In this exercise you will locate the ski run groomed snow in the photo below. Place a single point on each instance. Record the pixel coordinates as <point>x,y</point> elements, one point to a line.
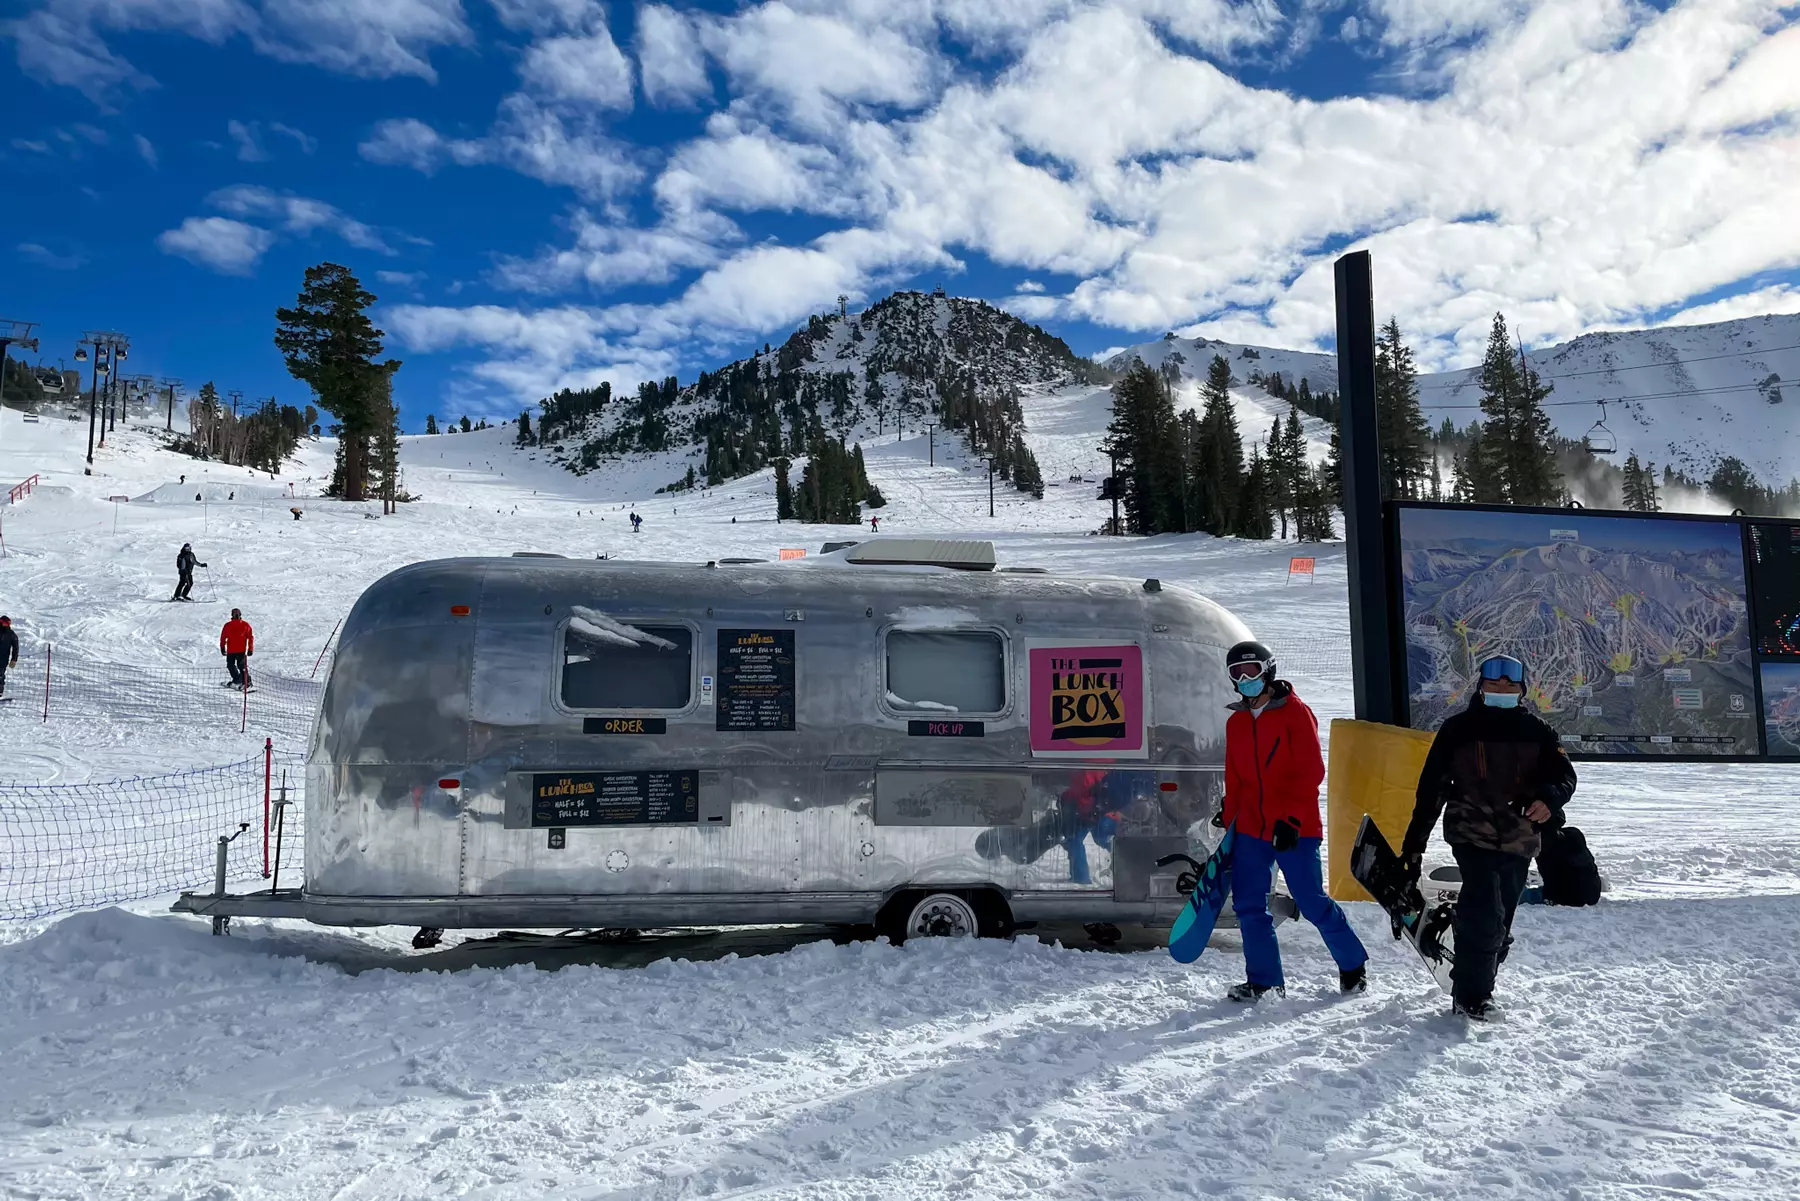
<point>1650,1047</point>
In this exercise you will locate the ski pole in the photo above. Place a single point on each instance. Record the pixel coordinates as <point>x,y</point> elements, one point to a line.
<point>212,589</point>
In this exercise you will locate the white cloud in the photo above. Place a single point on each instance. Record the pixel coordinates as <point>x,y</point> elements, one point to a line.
<point>587,69</point>
<point>564,149</point>
<point>401,279</point>
<point>1029,285</point>
<point>670,60</point>
<point>146,150</point>
<point>1779,298</point>
<point>296,215</point>
<point>217,243</point>
<point>63,42</point>
<point>408,142</point>
<point>249,145</point>
<point>45,257</point>
<point>547,16</point>
<point>305,141</point>
<point>748,167</point>
<point>611,255</point>
<point>809,66</point>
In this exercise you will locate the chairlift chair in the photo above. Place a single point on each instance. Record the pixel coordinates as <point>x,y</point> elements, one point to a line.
<point>1599,439</point>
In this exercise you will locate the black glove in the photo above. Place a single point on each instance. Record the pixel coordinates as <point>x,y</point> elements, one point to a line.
<point>1186,883</point>
<point>1286,835</point>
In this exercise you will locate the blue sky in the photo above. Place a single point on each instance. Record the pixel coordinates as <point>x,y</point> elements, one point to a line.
<point>552,192</point>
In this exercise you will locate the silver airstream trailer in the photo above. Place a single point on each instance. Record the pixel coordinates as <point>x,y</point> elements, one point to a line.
<point>898,733</point>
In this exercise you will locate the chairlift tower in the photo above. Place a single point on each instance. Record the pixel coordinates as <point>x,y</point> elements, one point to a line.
<point>14,332</point>
<point>173,385</point>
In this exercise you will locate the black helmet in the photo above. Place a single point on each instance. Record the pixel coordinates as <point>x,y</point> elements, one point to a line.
<point>1250,653</point>
<point>237,612</point>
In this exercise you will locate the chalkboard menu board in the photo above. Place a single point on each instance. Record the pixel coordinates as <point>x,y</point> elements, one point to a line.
<point>615,798</point>
<point>756,680</point>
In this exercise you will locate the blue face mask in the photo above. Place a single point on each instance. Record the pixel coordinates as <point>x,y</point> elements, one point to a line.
<point>1252,688</point>
<point>1500,700</point>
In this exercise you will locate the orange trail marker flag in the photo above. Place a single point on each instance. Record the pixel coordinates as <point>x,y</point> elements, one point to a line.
<point>792,553</point>
<point>1300,566</point>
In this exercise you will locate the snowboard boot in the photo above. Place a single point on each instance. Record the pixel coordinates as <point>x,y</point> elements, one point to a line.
<point>1475,1011</point>
<point>1252,993</point>
<point>1354,980</point>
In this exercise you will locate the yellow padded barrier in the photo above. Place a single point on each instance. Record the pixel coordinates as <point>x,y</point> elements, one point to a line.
<point>1375,770</point>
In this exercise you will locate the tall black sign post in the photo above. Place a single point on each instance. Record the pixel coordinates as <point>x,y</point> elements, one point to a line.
<point>1371,635</point>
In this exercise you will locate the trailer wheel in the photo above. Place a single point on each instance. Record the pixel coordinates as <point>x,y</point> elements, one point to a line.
<point>977,913</point>
<point>942,915</point>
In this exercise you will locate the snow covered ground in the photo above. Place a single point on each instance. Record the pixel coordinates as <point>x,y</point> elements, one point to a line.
<point>1651,1046</point>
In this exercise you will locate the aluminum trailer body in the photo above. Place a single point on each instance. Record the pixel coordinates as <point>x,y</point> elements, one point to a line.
<point>540,742</point>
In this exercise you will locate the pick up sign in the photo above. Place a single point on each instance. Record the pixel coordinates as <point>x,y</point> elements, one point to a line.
<point>1087,701</point>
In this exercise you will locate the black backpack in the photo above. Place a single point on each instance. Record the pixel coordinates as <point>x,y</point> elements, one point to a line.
<point>1567,866</point>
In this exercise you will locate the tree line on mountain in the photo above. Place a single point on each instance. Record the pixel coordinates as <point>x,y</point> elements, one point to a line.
<point>1181,472</point>
<point>262,438</point>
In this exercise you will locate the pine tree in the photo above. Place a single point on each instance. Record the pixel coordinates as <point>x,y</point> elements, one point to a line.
<point>1401,429</point>
<point>1027,477</point>
<point>386,443</point>
<point>1219,452</point>
<point>329,343</point>
<point>1652,503</point>
<point>524,437</point>
<point>1144,438</point>
<point>430,423</point>
<point>1513,461</point>
<point>1255,519</point>
<point>1312,519</point>
<point>466,427</point>
<point>784,492</point>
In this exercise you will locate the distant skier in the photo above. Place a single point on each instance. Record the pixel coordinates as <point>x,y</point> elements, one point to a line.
<point>9,650</point>
<point>237,642</point>
<point>184,570</point>
<point>1500,777</point>
<point>874,523</point>
<point>636,522</point>
<point>1273,769</point>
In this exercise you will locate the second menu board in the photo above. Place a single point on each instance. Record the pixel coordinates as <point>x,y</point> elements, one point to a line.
<point>756,680</point>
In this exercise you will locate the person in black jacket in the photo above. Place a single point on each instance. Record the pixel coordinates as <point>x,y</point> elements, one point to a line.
<point>1499,776</point>
<point>9,650</point>
<point>184,568</point>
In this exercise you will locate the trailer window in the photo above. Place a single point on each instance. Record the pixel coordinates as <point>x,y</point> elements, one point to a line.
<point>946,671</point>
<point>627,667</point>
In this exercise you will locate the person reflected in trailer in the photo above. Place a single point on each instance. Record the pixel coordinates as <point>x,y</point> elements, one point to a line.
<point>9,650</point>
<point>1092,807</point>
<point>237,642</point>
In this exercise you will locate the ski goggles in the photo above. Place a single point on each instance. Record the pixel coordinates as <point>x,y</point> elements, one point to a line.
<point>1249,669</point>
<point>1503,667</point>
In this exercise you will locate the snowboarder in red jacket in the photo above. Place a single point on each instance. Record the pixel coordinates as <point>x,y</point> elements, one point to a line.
<point>237,642</point>
<point>1273,769</point>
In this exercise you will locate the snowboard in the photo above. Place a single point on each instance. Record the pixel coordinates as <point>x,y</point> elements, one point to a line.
<point>229,684</point>
<point>1426,927</point>
<point>1192,929</point>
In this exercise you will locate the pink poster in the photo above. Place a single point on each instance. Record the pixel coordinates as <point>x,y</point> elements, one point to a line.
<point>1087,702</point>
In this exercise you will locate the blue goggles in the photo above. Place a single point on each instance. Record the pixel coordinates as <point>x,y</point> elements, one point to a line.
<point>1503,667</point>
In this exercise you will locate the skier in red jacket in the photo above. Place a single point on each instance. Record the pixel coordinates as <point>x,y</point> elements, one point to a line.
<point>237,642</point>
<point>1273,769</point>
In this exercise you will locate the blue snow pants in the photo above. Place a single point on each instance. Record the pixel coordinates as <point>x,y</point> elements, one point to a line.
<point>1253,862</point>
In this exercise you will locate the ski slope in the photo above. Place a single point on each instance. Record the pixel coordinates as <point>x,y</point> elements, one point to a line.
<point>1651,1046</point>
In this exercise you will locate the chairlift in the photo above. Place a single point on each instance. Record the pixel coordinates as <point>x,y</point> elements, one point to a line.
<point>1599,439</point>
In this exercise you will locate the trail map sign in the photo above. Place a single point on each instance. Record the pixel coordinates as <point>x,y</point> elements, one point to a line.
<point>1637,630</point>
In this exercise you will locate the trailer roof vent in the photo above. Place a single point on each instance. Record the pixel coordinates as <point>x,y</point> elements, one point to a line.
<point>923,552</point>
<point>832,547</point>
<point>735,562</point>
<point>535,554</point>
<point>1026,570</point>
